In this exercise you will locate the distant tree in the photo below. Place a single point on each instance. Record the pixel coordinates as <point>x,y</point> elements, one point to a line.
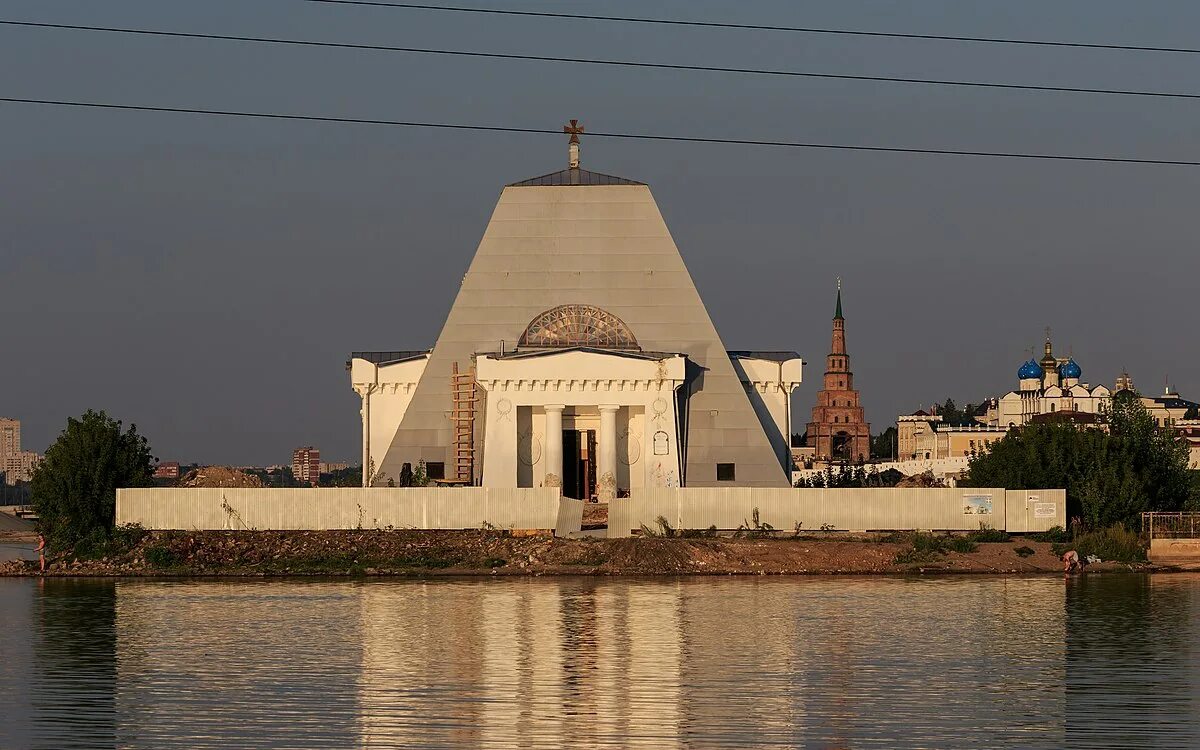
<point>1110,477</point>
<point>348,477</point>
<point>1193,412</point>
<point>883,445</point>
<point>74,488</point>
<point>952,416</point>
<point>851,477</point>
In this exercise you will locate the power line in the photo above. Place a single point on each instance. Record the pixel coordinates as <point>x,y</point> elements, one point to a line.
<point>604,62</point>
<point>602,134</point>
<point>762,27</point>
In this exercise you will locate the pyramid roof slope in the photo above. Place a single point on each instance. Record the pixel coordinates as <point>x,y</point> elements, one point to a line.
<point>605,246</point>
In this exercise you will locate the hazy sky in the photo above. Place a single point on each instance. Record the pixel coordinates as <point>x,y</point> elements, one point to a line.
<point>206,277</point>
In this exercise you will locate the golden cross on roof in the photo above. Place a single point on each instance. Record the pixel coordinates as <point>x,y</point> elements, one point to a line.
<point>575,129</point>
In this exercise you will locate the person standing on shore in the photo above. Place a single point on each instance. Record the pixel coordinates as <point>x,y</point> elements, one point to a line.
<point>41,550</point>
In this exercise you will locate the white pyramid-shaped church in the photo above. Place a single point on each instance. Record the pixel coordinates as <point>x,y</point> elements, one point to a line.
<point>585,359</point>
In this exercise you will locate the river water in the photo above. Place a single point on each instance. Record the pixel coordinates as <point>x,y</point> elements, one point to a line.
<point>963,662</point>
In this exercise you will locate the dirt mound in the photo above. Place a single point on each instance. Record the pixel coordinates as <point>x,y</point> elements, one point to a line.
<point>219,476</point>
<point>924,479</point>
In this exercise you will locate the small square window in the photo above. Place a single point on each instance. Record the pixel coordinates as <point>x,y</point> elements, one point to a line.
<point>725,473</point>
<point>435,470</point>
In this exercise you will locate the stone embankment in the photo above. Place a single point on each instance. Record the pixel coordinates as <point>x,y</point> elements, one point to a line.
<point>406,552</point>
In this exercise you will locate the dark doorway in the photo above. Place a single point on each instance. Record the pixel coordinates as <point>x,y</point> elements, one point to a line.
<point>579,464</point>
<point>841,446</point>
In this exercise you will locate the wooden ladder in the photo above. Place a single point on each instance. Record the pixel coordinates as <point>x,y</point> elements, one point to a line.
<point>462,390</point>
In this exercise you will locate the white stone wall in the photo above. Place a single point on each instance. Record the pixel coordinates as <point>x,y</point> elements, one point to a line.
<point>386,391</point>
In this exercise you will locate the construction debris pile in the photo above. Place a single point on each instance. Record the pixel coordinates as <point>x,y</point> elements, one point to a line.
<point>219,476</point>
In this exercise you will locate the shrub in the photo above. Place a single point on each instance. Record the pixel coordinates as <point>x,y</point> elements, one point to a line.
<point>1114,543</point>
<point>960,544</point>
<point>161,557</point>
<point>988,534</point>
<point>1023,551</point>
<point>755,528</point>
<point>1055,535</point>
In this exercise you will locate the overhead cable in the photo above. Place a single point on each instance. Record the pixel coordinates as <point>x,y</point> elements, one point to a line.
<point>603,62</point>
<point>765,27</point>
<point>604,134</point>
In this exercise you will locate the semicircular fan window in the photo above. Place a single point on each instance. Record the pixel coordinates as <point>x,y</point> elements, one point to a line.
<point>578,325</point>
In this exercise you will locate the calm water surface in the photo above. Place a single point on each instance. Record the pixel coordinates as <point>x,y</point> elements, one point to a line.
<point>1110,662</point>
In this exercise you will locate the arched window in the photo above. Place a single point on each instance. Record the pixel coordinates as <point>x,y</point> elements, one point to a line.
<point>578,325</point>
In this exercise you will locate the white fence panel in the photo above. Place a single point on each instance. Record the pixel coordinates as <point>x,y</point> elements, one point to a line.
<point>952,509</point>
<point>344,508</point>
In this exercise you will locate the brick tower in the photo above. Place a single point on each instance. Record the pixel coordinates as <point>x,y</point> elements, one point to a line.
<point>838,429</point>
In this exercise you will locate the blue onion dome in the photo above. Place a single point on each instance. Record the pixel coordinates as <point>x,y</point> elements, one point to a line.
<point>1030,369</point>
<point>1070,370</point>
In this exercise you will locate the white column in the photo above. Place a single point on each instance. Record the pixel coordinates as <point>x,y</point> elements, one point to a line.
<point>606,477</point>
<point>554,448</point>
<point>365,392</point>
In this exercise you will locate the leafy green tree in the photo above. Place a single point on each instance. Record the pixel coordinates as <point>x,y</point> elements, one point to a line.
<point>883,445</point>
<point>851,476</point>
<point>1110,477</point>
<point>348,477</point>
<point>74,488</point>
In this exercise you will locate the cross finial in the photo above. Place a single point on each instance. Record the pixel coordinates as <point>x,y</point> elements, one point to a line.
<point>574,129</point>
<point>1047,333</point>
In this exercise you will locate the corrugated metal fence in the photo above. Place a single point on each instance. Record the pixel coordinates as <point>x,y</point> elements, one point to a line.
<point>348,508</point>
<point>867,509</point>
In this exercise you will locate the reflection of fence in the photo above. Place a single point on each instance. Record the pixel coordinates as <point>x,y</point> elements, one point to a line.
<point>1171,525</point>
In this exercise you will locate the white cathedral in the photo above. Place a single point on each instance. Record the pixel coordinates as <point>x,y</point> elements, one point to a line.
<point>1050,386</point>
<point>578,354</point>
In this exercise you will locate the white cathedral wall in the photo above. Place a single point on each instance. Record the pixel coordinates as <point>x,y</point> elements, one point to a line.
<point>389,389</point>
<point>770,384</point>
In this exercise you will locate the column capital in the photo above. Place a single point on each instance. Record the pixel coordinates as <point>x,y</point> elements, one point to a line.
<point>554,407</point>
<point>609,407</point>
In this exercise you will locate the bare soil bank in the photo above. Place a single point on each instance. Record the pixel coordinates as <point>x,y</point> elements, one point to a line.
<point>405,552</point>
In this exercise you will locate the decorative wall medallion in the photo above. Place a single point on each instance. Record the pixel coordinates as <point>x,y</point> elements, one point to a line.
<point>503,409</point>
<point>633,449</point>
<point>660,409</point>
<point>529,448</point>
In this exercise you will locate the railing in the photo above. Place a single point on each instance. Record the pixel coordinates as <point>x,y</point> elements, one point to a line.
<point>1171,525</point>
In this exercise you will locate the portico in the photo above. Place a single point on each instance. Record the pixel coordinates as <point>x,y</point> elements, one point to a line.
<point>593,422</point>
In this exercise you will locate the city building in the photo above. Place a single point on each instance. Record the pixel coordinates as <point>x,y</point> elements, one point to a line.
<point>578,353</point>
<point>15,464</point>
<point>10,436</point>
<point>1046,386</point>
<point>923,436</point>
<point>1168,409</point>
<point>306,465</point>
<point>1189,430</point>
<point>838,430</point>
<point>329,467</point>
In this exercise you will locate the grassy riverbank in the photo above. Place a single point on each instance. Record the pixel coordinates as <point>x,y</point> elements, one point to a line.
<point>408,552</point>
